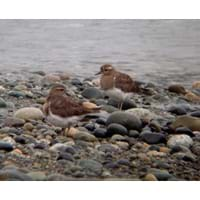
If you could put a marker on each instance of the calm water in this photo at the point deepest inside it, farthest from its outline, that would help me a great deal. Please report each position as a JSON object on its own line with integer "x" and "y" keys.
{"x": 161, "y": 51}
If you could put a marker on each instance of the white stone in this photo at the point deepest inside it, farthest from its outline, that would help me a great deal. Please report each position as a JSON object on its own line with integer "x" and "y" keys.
{"x": 177, "y": 140}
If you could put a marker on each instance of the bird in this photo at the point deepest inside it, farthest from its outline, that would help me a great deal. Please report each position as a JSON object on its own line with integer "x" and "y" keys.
{"x": 63, "y": 111}
{"x": 116, "y": 84}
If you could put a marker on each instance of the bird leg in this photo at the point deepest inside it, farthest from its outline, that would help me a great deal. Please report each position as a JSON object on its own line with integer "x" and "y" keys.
{"x": 120, "y": 106}
{"x": 69, "y": 126}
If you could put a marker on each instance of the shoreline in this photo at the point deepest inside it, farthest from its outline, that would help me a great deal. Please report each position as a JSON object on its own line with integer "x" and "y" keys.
{"x": 97, "y": 149}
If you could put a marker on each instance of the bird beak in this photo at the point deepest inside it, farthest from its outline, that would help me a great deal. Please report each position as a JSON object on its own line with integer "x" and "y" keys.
{"x": 98, "y": 73}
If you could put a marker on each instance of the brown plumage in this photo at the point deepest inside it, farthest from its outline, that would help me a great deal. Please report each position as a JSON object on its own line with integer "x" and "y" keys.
{"x": 111, "y": 78}
{"x": 61, "y": 108}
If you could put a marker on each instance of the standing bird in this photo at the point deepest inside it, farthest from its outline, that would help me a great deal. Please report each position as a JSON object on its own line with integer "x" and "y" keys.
{"x": 63, "y": 111}
{"x": 116, "y": 84}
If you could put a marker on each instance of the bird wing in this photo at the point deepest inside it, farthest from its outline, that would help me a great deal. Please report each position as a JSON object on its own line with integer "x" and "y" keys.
{"x": 65, "y": 106}
{"x": 125, "y": 83}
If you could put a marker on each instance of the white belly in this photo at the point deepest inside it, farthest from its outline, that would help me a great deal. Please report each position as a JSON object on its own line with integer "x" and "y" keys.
{"x": 116, "y": 93}
{"x": 63, "y": 122}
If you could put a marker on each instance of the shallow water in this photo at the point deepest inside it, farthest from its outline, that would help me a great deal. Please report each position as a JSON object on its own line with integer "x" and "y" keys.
{"x": 160, "y": 51}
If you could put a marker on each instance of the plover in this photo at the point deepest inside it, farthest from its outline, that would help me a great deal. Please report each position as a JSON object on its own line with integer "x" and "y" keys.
{"x": 63, "y": 111}
{"x": 116, "y": 84}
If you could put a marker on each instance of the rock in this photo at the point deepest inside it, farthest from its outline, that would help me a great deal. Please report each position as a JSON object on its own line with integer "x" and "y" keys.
{"x": 65, "y": 156}
{"x": 20, "y": 87}
{"x": 58, "y": 147}
{"x": 63, "y": 76}
{"x": 193, "y": 123}
{"x": 126, "y": 104}
{"x": 71, "y": 132}
{"x": 122, "y": 145}
{"x": 13, "y": 121}
{"x": 20, "y": 139}
{"x": 37, "y": 176}
{"x": 196, "y": 85}
{"x": 150, "y": 177}
{"x": 116, "y": 137}
{"x": 126, "y": 119}
{"x": 13, "y": 175}
{"x": 142, "y": 114}
{"x": 161, "y": 175}
{"x": 28, "y": 127}
{"x": 152, "y": 138}
{"x": 176, "y": 88}
{"x": 195, "y": 114}
{"x": 90, "y": 126}
{"x": 92, "y": 93}
{"x": 133, "y": 133}
{"x": 116, "y": 129}
{"x": 177, "y": 109}
{"x": 9, "y": 140}
{"x": 17, "y": 94}
{"x": 6, "y": 146}
{"x": 76, "y": 82}
{"x": 185, "y": 130}
{"x": 2, "y": 103}
{"x": 91, "y": 167}
{"x": 184, "y": 140}
{"x": 85, "y": 136}
{"x": 156, "y": 154}
{"x": 109, "y": 108}
{"x": 29, "y": 113}
{"x": 190, "y": 96}
{"x": 100, "y": 132}
{"x": 101, "y": 121}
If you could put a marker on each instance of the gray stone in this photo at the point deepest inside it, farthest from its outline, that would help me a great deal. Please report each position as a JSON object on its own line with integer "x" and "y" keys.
{"x": 184, "y": 140}
{"x": 92, "y": 93}
{"x": 116, "y": 129}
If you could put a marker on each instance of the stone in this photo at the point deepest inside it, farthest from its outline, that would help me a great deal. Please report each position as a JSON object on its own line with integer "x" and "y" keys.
{"x": 58, "y": 147}
{"x": 65, "y": 156}
{"x": 184, "y": 130}
{"x": 142, "y": 114}
{"x": 20, "y": 139}
{"x": 195, "y": 114}
{"x": 152, "y": 138}
{"x": 92, "y": 93}
{"x": 17, "y": 94}
{"x": 13, "y": 121}
{"x": 156, "y": 154}
{"x": 117, "y": 137}
{"x": 91, "y": 167}
{"x": 28, "y": 127}
{"x": 37, "y": 176}
{"x": 2, "y": 103}
{"x": 13, "y": 175}
{"x": 126, "y": 119}
{"x": 161, "y": 175}
{"x": 6, "y": 146}
{"x": 76, "y": 82}
{"x": 116, "y": 129}
{"x": 150, "y": 177}
{"x": 71, "y": 132}
{"x": 177, "y": 88}
{"x": 100, "y": 132}
{"x": 193, "y": 123}
{"x": 2, "y": 89}
{"x": 51, "y": 78}
{"x": 133, "y": 133}
{"x": 81, "y": 135}
{"x": 123, "y": 145}
{"x": 126, "y": 104}
{"x": 90, "y": 106}
{"x": 29, "y": 113}
{"x": 109, "y": 108}
{"x": 177, "y": 109}
{"x": 184, "y": 140}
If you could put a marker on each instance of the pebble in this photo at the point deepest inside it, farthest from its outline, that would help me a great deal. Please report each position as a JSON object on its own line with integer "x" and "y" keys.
{"x": 13, "y": 175}
{"x": 91, "y": 167}
{"x": 117, "y": 137}
{"x": 116, "y": 129}
{"x": 28, "y": 126}
{"x": 152, "y": 138}
{"x": 100, "y": 133}
{"x": 2, "y": 103}
{"x": 195, "y": 114}
{"x": 13, "y": 121}
{"x": 184, "y": 140}
{"x": 133, "y": 133}
{"x": 185, "y": 130}
{"x": 150, "y": 177}
{"x": 29, "y": 113}
{"x": 161, "y": 175}
{"x": 128, "y": 120}
{"x": 92, "y": 93}
{"x": 126, "y": 104}
{"x": 85, "y": 136}
{"x": 6, "y": 146}
{"x": 37, "y": 176}
{"x": 177, "y": 109}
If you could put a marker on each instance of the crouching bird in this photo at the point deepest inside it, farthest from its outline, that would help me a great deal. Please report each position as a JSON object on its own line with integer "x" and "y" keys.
{"x": 63, "y": 111}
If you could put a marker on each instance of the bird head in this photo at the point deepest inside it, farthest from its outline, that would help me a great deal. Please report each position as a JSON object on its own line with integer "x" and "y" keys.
{"x": 58, "y": 90}
{"x": 106, "y": 69}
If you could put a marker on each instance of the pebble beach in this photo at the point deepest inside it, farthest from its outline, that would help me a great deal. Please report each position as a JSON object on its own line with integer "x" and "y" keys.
{"x": 155, "y": 137}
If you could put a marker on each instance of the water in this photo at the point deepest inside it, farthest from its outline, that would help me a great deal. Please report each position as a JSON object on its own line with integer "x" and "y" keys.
{"x": 161, "y": 51}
